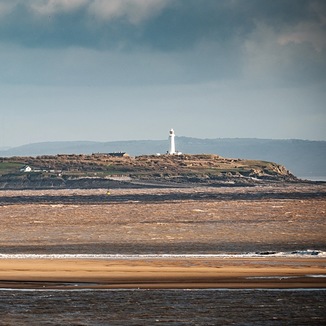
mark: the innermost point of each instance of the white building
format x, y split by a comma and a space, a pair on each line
26, 168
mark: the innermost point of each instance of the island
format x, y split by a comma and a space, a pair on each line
119, 170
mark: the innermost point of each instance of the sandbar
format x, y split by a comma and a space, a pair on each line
163, 273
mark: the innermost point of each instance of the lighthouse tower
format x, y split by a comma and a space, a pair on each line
172, 143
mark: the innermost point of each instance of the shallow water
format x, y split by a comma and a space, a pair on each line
173, 227
163, 307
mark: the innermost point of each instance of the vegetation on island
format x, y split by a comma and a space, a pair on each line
58, 170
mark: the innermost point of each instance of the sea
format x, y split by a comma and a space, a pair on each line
314, 178
163, 307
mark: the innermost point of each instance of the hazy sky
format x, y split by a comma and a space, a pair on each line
132, 69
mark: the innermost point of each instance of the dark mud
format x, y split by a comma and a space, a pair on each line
155, 195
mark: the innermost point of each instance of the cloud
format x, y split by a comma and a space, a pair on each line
279, 59
50, 7
181, 41
86, 67
305, 33
135, 11
166, 25
88, 23
292, 52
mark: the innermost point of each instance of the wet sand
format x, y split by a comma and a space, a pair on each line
164, 221
164, 273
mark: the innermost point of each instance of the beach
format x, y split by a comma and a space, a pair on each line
164, 273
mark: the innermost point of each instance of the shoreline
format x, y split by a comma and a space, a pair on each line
244, 273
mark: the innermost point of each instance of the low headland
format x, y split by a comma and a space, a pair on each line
119, 170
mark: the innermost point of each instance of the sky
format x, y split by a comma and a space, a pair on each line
107, 70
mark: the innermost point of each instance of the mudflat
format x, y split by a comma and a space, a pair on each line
226, 220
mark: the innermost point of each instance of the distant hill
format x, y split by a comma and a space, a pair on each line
303, 158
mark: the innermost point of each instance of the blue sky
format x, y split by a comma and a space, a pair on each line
132, 69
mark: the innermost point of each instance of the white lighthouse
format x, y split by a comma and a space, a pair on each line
172, 143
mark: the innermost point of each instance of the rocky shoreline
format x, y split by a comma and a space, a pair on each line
100, 183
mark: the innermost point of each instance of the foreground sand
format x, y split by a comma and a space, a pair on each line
164, 273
